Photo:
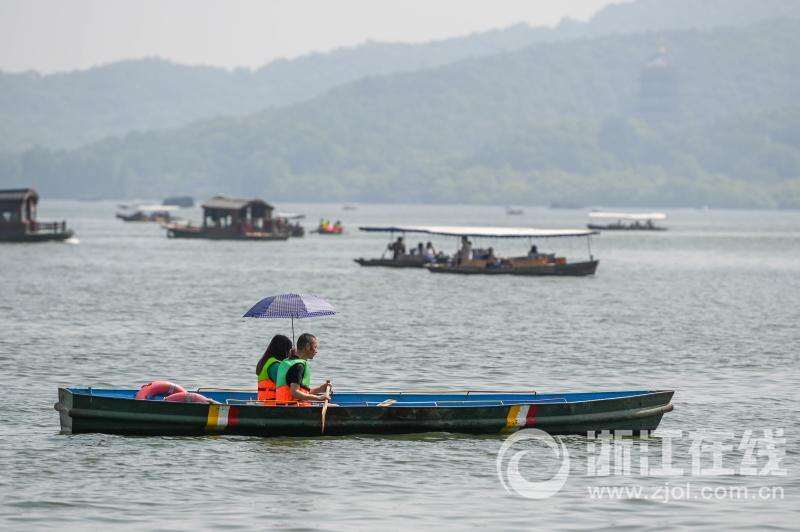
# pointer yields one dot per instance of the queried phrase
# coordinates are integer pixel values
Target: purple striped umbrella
(291, 306)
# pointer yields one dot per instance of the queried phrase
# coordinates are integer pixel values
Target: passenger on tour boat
(267, 368)
(429, 254)
(465, 253)
(491, 259)
(398, 248)
(534, 252)
(293, 379)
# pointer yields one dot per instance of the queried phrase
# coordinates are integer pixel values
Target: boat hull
(198, 232)
(391, 263)
(37, 237)
(615, 227)
(572, 269)
(116, 412)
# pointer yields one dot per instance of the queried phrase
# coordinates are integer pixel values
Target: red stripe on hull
(530, 419)
(233, 416)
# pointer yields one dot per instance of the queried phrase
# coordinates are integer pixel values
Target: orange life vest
(283, 391)
(266, 386)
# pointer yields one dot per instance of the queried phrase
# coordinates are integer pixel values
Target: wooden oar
(325, 404)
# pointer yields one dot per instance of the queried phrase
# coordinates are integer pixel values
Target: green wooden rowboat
(114, 411)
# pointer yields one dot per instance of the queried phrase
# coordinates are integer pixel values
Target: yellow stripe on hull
(511, 419)
(217, 417)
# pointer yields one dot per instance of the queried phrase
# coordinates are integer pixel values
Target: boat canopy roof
(494, 232)
(629, 215)
(289, 215)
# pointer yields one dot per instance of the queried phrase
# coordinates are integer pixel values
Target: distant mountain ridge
(567, 121)
(67, 110)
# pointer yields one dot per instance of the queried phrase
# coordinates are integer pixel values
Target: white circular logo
(510, 476)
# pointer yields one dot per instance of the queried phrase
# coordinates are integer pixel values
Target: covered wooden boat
(470, 261)
(114, 411)
(227, 218)
(627, 221)
(18, 219)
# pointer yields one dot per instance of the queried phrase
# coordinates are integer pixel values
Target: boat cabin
(18, 206)
(18, 218)
(237, 214)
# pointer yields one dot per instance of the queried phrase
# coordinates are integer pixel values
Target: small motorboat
(184, 202)
(148, 213)
(627, 221)
(215, 411)
(329, 229)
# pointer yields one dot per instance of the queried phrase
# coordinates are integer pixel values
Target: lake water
(709, 308)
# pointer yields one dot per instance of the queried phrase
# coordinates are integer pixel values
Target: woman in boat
(430, 253)
(293, 380)
(267, 367)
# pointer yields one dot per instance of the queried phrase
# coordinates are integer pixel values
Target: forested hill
(677, 118)
(67, 110)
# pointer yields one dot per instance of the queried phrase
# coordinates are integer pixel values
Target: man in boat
(465, 253)
(398, 248)
(293, 379)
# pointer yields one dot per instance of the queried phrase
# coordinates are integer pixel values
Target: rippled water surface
(709, 308)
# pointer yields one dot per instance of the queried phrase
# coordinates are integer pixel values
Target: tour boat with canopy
(470, 260)
(292, 222)
(627, 221)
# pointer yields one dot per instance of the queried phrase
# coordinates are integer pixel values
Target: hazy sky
(55, 35)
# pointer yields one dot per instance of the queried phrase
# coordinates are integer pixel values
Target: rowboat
(627, 221)
(473, 261)
(115, 411)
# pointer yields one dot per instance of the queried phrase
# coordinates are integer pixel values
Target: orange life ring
(158, 390)
(188, 397)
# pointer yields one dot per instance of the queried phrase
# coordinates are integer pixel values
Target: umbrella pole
(292, 330)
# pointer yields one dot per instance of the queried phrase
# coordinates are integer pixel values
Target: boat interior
(461, 398)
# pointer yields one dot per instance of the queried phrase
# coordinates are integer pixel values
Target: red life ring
(188, 397)
(158, 390)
